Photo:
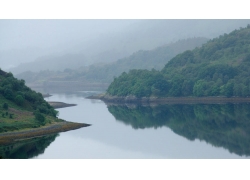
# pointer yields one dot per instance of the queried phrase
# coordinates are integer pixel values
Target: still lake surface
(134, 132)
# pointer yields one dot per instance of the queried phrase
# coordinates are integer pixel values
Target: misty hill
(148, 59)
(120, 42)
(53, 63)
(220, 67)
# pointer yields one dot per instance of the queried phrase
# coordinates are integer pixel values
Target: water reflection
(222, 125)
(28, 148)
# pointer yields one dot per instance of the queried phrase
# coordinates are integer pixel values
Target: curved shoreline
(8, 137)
(169, 100)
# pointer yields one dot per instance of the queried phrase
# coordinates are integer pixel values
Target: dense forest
(221, 67)
(143, 59)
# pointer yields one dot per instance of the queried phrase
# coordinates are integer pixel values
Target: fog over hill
(62, 44)
(105, 73)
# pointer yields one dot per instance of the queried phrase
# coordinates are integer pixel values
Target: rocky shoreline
(169, 100)
(9, 137)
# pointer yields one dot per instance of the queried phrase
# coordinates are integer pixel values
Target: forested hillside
(221, 67)
(20, 107)
(142, 59)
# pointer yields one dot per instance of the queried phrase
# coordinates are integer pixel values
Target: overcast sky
(16, 34)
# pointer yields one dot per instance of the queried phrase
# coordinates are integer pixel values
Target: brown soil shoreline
(170, 100)
(9, 137)
(57, 105)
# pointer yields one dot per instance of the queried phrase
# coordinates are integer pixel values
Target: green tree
(8, 93)
(19, 99)
(227, 89)
(199, 88)
(5, 106)
(39, 117)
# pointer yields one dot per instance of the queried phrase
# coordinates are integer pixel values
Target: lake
(189, 131)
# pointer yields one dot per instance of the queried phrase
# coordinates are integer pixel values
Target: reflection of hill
(28, 148)
(226, 125)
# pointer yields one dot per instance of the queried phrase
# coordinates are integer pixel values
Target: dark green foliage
(8, 93)
(19, 100)
(5, 106)
(139, 83)
(39, 117)
(221, 67)
(16, 91)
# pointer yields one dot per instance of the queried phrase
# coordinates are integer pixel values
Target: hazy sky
(16, 34)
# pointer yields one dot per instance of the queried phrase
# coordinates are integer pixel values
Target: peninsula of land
(25, 114)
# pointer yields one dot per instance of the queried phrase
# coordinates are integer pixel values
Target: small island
(25, 114)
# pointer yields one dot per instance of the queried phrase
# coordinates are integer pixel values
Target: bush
(19, 99)
(39, 117)
(5, 106)
(8, 93)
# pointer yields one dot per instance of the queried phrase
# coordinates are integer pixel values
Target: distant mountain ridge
(104, 73)
(109, 47)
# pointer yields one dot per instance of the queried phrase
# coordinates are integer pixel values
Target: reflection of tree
(26, 148)
(226, 125)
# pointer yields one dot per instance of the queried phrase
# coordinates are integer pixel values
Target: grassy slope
(22, 118)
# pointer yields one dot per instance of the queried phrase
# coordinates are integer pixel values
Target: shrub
(39, 117)
(5, 106)
(19, 99)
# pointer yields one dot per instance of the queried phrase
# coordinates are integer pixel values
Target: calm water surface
(128, 132)
(169, 131)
